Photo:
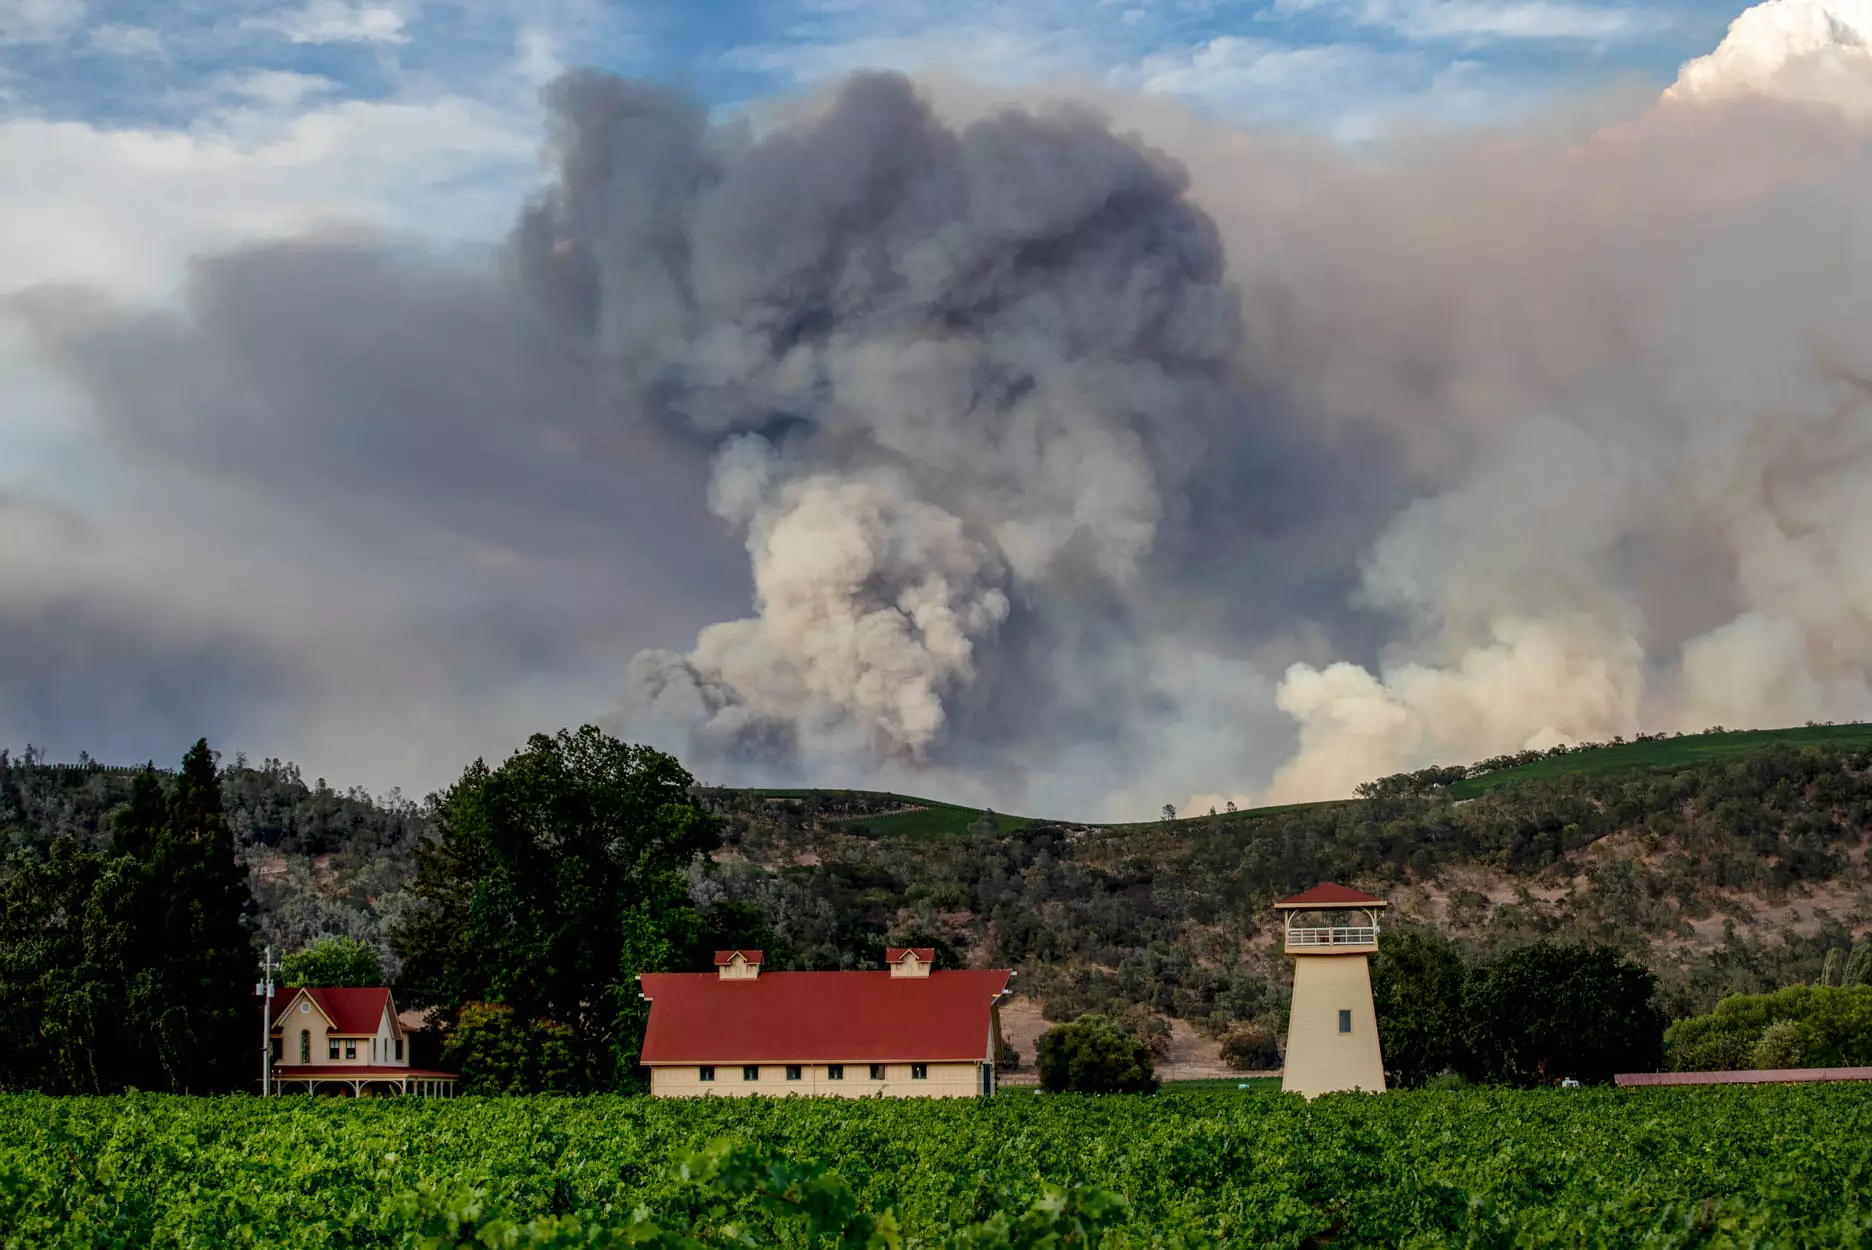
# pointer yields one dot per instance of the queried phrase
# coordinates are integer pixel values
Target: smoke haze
(1065, 452)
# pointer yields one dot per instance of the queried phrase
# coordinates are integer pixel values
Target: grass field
(1722, 1167)
(1664, 753)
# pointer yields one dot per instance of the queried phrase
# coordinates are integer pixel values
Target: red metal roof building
(906, 1031)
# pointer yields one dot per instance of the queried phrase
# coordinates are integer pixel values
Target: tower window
(1345, 1022)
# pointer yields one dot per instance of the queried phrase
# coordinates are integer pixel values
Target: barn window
(877, 1071)
(750, 1073)
(707, 1072)
(919, 1071)
(792, 1072)
(835, 1072)
(1345, 1022)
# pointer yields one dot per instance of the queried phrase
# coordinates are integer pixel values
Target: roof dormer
(910, 961)
(738, 965)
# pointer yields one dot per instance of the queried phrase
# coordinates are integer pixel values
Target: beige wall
(946, 1080)
(1321, 1059)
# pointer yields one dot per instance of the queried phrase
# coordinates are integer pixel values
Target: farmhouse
(347, 1040)
(908, 1031)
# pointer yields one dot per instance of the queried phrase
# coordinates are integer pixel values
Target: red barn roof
(895, 954)
(820, 1017)
(753, 957)
(1331, 894)
(351, 1011)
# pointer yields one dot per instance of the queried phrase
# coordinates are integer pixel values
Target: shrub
(1834, 1028)
(498, 1053)
(1251, 1048)
(1778, 1047)
(1095, 1055)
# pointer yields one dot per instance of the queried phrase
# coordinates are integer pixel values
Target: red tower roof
(820, 1017)
(1331, 894)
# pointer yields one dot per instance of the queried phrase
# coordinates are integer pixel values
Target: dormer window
(738, 965)
(910, 961)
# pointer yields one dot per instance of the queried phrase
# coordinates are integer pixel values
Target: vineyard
(1719, 1167)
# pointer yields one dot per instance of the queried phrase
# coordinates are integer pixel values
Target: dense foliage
(1814, 1026)
(551, 882)
(1094, 1055)
(1531, 1016)
(340, 961)
(1784, 1166)
(130, 966)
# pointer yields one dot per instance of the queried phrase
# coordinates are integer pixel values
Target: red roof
(893, 954)
(1331, 894)
(352, 1011)
(819, 1017)
(753, 957)
(1758, 1076)
(321, 1071)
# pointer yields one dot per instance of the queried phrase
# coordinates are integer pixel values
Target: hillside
(1729, 862)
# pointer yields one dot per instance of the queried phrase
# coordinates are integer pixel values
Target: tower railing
(1336, 936)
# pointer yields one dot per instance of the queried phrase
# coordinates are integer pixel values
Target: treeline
(129, 966)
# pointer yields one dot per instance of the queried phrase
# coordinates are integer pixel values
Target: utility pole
(263, 990)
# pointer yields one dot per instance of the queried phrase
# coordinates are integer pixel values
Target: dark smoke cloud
(1070, 475)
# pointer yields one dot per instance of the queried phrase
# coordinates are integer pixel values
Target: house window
(1345, 1022)
(919, 1071)
(751, 1072)
(279, 1049)
(706, 1072)
(331, 1048)
(877, 1071)
(350, 1049)
(835, 1072)
(792, 1072)
(399, 1050)
(305, 1045)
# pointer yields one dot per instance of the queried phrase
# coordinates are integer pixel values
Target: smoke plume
(1087, 456)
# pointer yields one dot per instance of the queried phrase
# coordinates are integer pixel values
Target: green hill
(1660, 752)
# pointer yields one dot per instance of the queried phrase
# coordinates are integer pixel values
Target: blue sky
(1307, 63)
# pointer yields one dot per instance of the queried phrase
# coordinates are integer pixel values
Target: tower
(1332, 1028)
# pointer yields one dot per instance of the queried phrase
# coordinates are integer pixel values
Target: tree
(550, 883)
(1556, 1009)
(131, 967)
(1833, 967)
(1169, 812)
(342, 961)
(1858, 970)
(497, 1053)
(1417, 988)
(1094, 1055)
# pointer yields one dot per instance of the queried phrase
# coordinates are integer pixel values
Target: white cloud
(124, 208)
(39, 21)
(1816, 51)
(335, 21)
(1477, 19)
(115, 39)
